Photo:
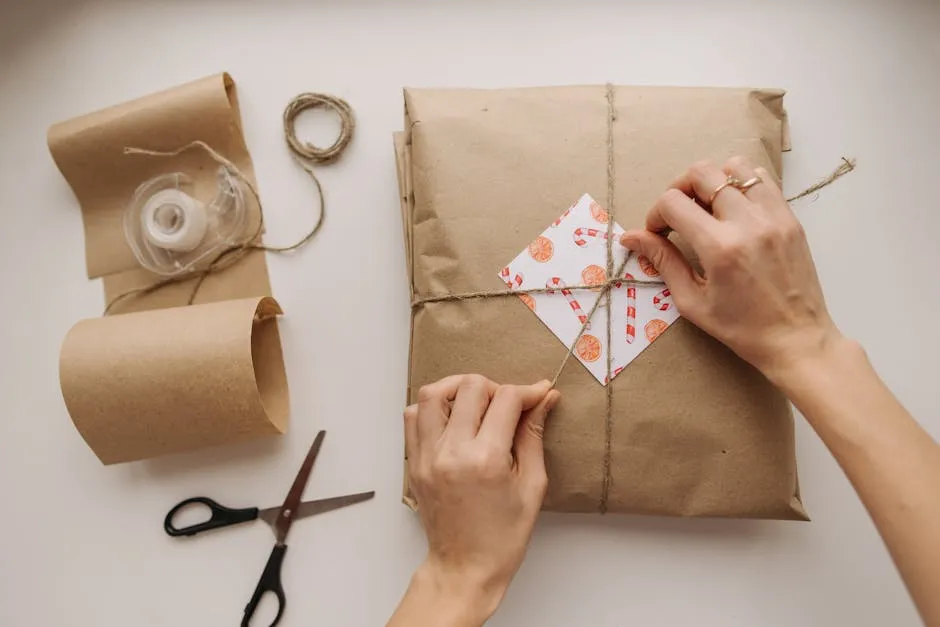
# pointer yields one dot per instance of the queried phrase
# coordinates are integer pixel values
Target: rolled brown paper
(149, 383)
(89, 151)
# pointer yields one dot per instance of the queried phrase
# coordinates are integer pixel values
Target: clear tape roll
(174, 220)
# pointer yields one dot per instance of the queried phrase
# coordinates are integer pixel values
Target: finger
(434, 407)
(411, 433)
(529, 439)
(761, 193)
(702, 180)
(672, 265)
(674, 210)
(473, 397)
(502, 416)
(772, 187)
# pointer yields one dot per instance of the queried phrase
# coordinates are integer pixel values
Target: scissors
(279, 519)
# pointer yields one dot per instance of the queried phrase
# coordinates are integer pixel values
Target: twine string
(844, 168)
(609, 388)
(847, 166)
(308, 151)
(305, 154)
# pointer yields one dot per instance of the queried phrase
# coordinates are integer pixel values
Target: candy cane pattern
(662, 301)
(556, 282)
(516, 281)
(581, 232)
(562, 216)
(631, 310)
(616, 371)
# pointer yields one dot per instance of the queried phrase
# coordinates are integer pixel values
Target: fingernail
(552, 400)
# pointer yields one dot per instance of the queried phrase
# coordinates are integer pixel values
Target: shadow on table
(216, 458)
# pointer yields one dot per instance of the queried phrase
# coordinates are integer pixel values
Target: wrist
(456, 598)
(801, 372)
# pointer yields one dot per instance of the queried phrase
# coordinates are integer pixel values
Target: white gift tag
(572, 251)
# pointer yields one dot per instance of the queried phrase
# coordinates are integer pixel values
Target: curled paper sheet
(150, 383)
(164, 377)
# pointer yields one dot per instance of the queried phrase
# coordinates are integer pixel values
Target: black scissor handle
(270, 582)
(221, 517)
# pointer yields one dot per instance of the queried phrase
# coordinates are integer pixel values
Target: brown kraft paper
(89, 151)
(695, 431)
(155, 382)
(164, 377)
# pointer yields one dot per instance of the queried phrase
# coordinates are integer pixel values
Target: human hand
(759, 294)
(477, 469)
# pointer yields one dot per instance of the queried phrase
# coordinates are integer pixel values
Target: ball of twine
(306, 150)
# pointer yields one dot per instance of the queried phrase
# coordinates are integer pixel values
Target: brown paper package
(695, 431)
(163, 377)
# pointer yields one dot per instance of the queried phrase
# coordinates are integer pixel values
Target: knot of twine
(613, 281)
(304, 153)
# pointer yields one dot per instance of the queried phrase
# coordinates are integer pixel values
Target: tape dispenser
(172, 232)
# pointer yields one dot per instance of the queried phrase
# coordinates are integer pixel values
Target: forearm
(435, 600)
(891, 461)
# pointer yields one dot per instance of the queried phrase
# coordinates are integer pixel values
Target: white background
(81, 544)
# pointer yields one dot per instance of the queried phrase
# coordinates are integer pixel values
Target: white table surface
(82, 544)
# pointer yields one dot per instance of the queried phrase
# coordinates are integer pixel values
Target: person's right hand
(759, 294)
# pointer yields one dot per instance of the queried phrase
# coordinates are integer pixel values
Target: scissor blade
(320, 506)
(289, 509)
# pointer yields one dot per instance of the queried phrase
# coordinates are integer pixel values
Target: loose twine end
(305, 154)
(847, 165)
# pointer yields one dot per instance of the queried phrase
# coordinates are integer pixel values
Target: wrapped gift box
(693, 430)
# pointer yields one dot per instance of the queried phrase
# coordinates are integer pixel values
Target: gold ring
(731, 181)
(748, 184)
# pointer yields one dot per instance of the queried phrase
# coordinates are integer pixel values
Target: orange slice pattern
(654, 328)
(594, 275)
(541, 249)
(588, 348)
(528, 300)
(598, 213)
(647, 266)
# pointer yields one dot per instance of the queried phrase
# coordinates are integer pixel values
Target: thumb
(668, 260)
(529, 443)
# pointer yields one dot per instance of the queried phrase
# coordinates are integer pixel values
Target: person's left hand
(477, 470)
